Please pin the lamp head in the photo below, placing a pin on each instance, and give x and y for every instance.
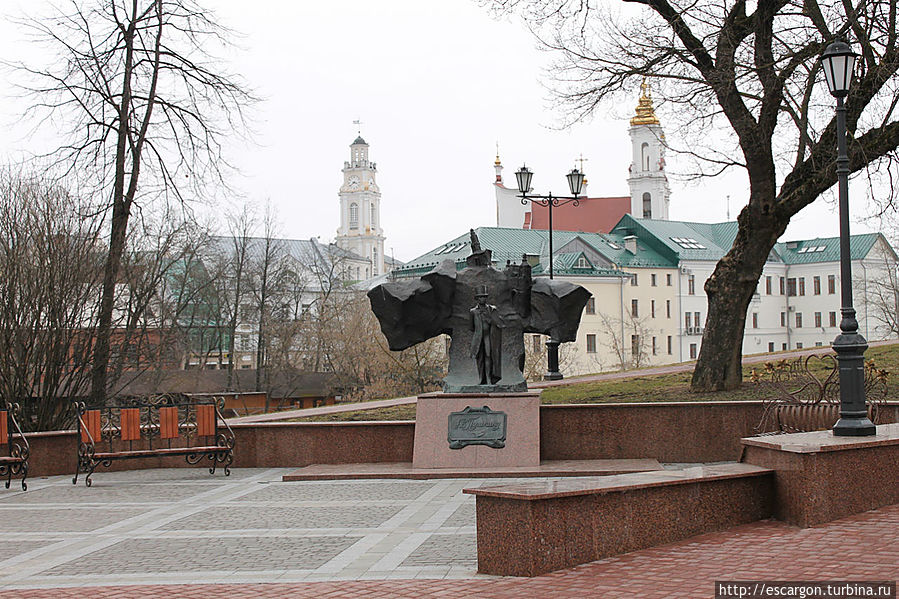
(838, 61)
(523, 177)
(575, 182)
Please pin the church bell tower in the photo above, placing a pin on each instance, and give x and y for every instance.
(647, 180)
(360, 206)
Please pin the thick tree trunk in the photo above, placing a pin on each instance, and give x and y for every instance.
(729, 291)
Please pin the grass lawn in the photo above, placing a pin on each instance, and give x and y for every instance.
(664, 387)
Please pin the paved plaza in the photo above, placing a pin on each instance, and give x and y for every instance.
(135, 533)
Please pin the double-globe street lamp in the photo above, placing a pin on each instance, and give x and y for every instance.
(575, 185)
(838, 61)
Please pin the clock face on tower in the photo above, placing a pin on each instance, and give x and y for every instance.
(353, 182)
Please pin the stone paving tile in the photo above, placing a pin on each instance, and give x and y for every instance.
(339, 491)
(864, 546)
(463, 516)
(445, 550)
(72, 519)
(207, 554)
(14, 548)
(117, 494)
(168, 475)
(239, 517)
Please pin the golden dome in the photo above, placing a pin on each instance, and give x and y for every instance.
(645, 113)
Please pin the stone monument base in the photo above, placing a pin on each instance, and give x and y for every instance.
(522, 439)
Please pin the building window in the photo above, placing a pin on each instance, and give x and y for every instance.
(798, 346)
(647, 205)
(799, 320)
(644, 156)
(816, 285)
(833, 319)
(354, 216)
(783, 319)
(783, 346)
(652, 308)
(373, 213)
(668, 279)
(652, 279)
(781, 285)
(688, 320)
(654, 350)
(692, 351)
(767, 285)
(818, 344)
(831, 284)
(591, 344)
(669, 345)
(634, 280)
(791, 286)
(801, 285)
(591, 306)
(635, 312)
(582, 262)
(817, 319)
(691, 285)
(535, 342)
(755, 320)
(696, 320)
(668, 308)
(770, 346)
(635, 345)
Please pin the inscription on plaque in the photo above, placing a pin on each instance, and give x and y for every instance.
(477, 426)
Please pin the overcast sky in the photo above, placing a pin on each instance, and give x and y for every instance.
(436, 86)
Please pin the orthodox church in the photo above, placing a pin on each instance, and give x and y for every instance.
(649, 191)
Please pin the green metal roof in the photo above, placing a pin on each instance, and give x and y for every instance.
(825, 249)
(683, 240)
(508, 244)
(660, 244)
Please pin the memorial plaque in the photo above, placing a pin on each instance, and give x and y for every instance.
(477, 426)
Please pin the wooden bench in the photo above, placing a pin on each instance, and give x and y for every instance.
(156, 427)
(16, 463)
(803, 395)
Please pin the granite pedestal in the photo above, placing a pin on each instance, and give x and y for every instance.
(820, 478)
(522, 445)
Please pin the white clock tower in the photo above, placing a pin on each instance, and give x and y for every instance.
(360, 209)
(647, 180)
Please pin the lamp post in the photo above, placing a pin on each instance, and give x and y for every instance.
(838, 61)
(575, 185)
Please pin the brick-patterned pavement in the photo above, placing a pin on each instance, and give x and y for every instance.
(861, 547)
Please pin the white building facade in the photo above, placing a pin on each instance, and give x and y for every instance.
(360, 210)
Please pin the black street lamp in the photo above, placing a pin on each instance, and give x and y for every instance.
(575, 184)
(838, 61)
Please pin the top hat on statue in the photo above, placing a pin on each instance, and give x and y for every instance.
(481, 291)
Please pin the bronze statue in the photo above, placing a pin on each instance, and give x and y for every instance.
(486, 353)
(486, 339)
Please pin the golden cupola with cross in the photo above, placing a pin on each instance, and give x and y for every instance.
(647, 179)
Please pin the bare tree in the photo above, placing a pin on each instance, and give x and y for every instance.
(535, 357)
(749, 72)
(233, 285)
(49, 263)
(145, 110)
(629, 339)
(880, 292)
(266, 262)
